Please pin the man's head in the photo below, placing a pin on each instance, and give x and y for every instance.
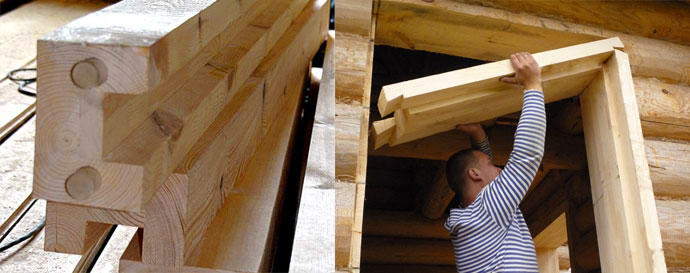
(468, 171)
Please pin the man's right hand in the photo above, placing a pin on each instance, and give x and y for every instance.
(527, 71)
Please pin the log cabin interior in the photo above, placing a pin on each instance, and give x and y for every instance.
(395, 222)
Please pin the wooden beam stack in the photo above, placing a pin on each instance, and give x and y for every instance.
(177, 120)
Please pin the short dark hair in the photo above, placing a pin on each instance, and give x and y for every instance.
(456, 170)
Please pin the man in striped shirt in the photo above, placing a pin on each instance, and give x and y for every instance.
(488, 230)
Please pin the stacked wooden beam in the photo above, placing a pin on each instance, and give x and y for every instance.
(437, 103)
(177, 120)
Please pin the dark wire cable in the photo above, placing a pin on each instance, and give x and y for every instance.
(92, 263)
(26, 236)
(22, 82)
(16, 221)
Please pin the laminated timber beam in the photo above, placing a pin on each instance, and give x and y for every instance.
(490, 34)
(176, 219)
(438, 103)
(624, 209)
(127, 136)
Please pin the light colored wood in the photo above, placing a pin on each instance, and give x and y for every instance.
(669, 167)
(493, 34)
(354, 17)
(86, 123)
(82, 183)
(665, 21)
(547, 260)
(156, 147)
(662, 102)
(563, 257)
(240, 237)
(313, 249)
(656, 129)
(474, 81)
(422, 121)
(354, 64)
(624, 209)
(89, 258)
(674, 220)
(554, 235)
(381, 132)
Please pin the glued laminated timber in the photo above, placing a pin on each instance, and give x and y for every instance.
(217, 133)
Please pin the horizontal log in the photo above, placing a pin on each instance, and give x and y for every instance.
(674, 220)
(386, 250)
(665, 21)
(493, 34)
(669, 167)
(402, 224)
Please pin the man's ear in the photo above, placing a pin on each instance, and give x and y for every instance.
(473, 173)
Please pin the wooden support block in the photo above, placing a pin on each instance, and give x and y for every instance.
(313, 249)
(547, 260)
(491, 34)
(472, 82)
(381, 132)
(554, 235)
(624, 209)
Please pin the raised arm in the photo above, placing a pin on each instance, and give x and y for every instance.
(503, 195)
(478, 138)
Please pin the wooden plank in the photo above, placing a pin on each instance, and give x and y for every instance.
(664, 21)
(478, 79)
(313, 249)
(155, 148)
(493, 34)
(547, 260)
(624, 208)
(554, 235)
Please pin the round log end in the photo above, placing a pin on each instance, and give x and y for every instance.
(89, 73)
(83, 183)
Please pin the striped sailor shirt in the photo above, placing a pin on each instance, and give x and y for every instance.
(490, 235)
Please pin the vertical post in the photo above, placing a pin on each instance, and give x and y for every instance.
(624, 208)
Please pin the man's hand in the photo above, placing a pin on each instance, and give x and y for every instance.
(474, 130)
(527, 71)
